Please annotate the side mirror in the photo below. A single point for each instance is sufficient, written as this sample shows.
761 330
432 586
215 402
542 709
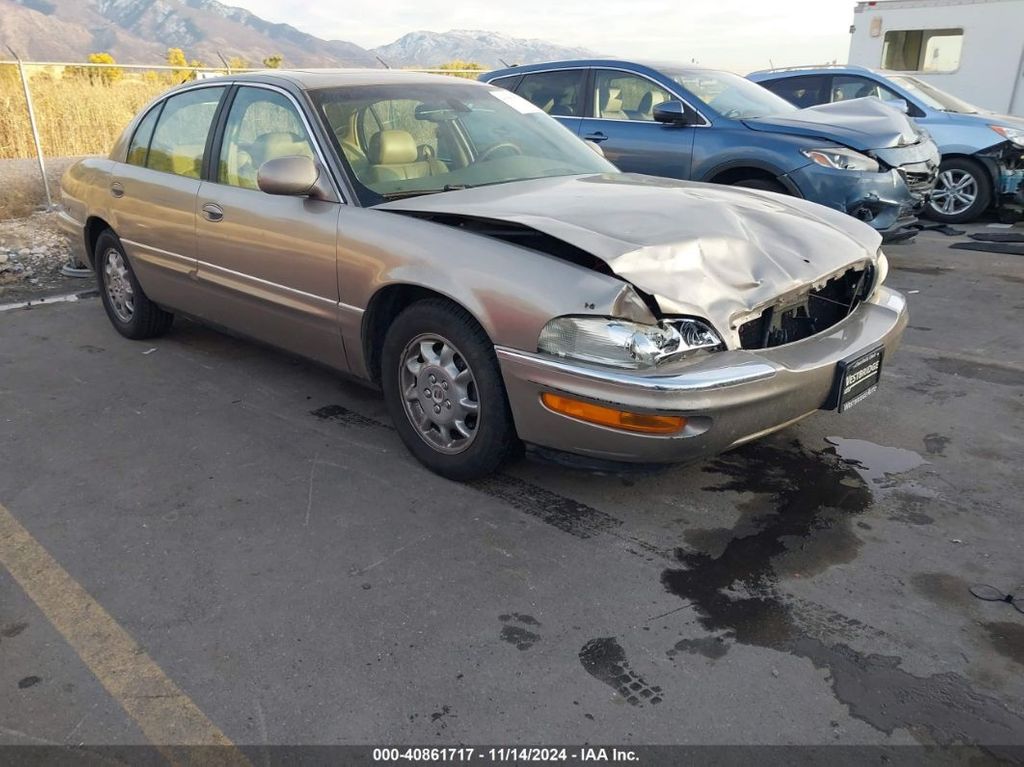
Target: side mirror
900 104
675 113
296 176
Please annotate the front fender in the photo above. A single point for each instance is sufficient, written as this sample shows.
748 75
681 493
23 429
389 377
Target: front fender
510 290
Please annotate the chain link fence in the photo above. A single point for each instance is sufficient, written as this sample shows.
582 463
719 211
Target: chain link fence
52 112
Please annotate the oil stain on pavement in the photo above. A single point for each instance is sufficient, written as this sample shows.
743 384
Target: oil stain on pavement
804 503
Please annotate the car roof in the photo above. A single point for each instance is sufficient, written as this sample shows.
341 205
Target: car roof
312 79
641 66
812 69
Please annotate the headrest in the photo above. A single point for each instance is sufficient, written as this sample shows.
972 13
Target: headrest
650 100
276 138
612 102
393 147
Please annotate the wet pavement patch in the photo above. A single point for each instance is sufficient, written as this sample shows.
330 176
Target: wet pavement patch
875 462
13 629
605 660
1007 639
29 681
935 444
943 588
710 647
979 371
515 633
804 502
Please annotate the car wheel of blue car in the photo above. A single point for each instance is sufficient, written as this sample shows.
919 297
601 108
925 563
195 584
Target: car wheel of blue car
961 194
763 184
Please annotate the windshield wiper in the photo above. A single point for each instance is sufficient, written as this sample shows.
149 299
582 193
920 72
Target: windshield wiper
403 193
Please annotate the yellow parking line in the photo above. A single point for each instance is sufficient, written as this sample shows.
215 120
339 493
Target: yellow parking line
166 715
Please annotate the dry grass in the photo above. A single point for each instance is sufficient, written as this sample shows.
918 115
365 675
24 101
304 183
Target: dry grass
76 115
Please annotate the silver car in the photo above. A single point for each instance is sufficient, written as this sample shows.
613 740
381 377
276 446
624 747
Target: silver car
498 279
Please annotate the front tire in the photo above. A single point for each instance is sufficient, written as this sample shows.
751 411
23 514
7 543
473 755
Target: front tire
130 311
962 192
765 185
444 392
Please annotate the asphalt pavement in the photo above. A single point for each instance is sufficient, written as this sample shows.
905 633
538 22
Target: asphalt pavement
244 533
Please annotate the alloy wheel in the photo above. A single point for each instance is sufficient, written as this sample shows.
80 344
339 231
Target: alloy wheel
118 285
955 192
439 393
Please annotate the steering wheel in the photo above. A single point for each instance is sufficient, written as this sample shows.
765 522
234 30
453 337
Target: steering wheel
486 154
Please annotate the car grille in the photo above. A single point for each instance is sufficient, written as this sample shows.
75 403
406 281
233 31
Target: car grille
808 314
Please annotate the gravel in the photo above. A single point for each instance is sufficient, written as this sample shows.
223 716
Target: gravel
32 252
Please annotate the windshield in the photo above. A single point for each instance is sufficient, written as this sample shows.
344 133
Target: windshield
405 139
730 95
932 96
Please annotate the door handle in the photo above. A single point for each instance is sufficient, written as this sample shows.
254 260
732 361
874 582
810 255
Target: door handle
213 212
117 189
597 136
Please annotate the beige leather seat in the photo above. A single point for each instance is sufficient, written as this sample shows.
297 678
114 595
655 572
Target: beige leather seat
243 166
611 104
394 156
645 109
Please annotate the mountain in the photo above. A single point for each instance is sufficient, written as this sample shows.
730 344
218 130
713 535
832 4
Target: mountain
428 49
69 30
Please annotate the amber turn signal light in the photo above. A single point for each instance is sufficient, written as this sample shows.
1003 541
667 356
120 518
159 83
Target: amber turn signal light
644 423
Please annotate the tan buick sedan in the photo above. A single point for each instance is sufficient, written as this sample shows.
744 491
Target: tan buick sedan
500 281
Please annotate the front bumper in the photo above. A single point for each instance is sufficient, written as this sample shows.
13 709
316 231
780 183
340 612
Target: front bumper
881 200
728 397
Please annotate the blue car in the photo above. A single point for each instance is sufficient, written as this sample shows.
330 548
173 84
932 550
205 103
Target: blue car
982 152
866 158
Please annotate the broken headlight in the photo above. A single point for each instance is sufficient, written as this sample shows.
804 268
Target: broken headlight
624 344
1013 135
841 158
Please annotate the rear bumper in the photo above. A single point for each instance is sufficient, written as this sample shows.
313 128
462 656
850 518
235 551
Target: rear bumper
728 397
75 232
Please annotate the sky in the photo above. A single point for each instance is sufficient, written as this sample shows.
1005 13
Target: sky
740 35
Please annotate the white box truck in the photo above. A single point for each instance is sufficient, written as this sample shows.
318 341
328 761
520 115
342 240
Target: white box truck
973 49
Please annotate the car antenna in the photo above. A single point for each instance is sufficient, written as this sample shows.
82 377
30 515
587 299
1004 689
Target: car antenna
771 64
382 62
505 63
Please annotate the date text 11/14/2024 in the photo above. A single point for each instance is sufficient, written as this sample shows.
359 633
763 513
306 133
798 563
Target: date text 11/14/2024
505 754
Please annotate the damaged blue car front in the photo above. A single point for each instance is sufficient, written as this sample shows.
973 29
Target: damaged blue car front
863 157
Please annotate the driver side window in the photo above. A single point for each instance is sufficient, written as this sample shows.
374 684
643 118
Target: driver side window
262 125
845 87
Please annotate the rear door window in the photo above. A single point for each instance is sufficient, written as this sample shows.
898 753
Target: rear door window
143 135
560 93
179 139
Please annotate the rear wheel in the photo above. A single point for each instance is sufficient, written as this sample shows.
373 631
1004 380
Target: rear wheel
131 313
443 389
961 194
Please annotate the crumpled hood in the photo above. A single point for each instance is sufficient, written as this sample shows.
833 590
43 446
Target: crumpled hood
860 124
708 250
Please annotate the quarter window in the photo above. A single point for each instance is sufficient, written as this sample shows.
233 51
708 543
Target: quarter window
557 93
143 135
179 139
621 96
922 50
262 125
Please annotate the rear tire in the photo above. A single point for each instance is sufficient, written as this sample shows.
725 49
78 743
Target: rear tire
962 193
130 311
444 391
